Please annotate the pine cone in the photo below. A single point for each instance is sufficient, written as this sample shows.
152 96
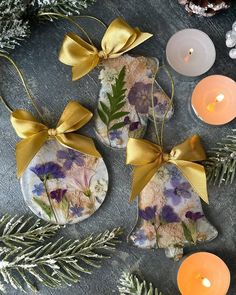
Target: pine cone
204 7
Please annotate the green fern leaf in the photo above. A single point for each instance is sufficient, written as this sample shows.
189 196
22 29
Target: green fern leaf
117 126
105 108
102 116
119 115
116 101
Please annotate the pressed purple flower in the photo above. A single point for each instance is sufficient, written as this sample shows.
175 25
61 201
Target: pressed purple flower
70 156
132 125
49 170
175 175
140 95
140 237
148 213
127 120
77 210
168 215
38 189
194 215
58 194
179 191
115 134
162 107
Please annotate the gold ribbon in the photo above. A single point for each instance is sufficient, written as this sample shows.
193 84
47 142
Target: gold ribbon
35 134
83 57
148 157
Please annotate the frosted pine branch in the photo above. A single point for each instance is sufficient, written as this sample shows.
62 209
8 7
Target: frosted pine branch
11 33
55 263
19 231
129 284
17 15
221 163
67 7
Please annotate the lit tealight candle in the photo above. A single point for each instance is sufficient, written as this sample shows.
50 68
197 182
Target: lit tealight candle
190 52
203 274
214 100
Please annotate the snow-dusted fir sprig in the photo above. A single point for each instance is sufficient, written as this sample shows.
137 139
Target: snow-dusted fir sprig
13 26
22 231
12 31
130 284
16 17
221 163
55 263
67 7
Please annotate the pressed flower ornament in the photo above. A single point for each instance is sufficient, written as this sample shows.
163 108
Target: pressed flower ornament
124 104
63 177
169 187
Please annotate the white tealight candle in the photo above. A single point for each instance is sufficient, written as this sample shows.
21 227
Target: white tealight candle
190 52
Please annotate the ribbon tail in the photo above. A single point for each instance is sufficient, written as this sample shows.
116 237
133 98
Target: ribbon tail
195 174
26 149
80 143
141 176
85 66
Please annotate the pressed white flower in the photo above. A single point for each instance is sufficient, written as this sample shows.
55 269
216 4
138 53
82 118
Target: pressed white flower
99 187
162 176
108 76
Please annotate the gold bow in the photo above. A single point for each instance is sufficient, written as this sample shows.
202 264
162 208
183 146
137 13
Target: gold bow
83 57
35 134
149 157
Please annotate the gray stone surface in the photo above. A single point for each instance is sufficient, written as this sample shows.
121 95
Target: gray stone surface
51 84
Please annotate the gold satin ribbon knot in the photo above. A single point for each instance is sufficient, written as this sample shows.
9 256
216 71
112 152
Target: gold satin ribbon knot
148 157
35 134
83 57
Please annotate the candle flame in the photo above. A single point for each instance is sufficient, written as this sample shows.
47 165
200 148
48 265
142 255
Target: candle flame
220 97
211 106
206 283
191 50
187 56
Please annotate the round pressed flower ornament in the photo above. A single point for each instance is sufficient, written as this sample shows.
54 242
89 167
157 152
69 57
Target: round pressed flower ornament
63 185
62 175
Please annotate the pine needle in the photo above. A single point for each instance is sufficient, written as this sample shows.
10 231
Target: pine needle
130 284
56 263
20 232
16 17
221 163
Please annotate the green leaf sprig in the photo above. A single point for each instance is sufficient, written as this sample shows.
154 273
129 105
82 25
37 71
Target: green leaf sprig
116 102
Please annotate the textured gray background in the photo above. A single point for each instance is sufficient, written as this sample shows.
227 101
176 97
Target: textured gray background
51 84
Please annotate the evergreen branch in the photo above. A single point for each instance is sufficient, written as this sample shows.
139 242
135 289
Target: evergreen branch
66 7
18 231
11 33
116 102
130 285
221 163
55 263
16 17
